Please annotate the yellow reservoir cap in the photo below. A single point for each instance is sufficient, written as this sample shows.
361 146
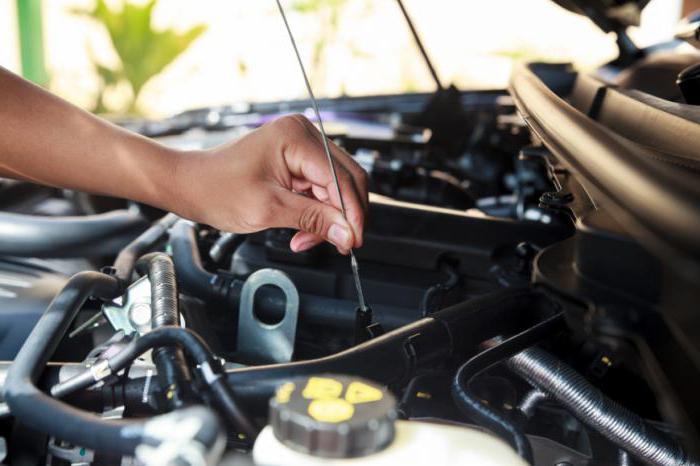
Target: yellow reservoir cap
333 416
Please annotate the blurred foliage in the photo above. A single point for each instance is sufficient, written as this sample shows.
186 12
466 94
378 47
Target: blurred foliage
143 51
329 10
522 53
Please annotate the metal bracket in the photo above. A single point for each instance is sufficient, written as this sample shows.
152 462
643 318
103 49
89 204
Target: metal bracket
131 312
264 342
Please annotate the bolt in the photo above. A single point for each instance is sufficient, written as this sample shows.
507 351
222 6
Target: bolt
140 315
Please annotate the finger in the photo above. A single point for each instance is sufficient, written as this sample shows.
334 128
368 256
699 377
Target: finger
320 193
309 215
303 241
359 175
300 185
341 157
353 189
305 158
354 209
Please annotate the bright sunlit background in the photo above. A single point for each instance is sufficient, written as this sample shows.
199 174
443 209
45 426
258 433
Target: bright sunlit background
239 50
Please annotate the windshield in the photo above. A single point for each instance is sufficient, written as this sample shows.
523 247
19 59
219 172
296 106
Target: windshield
206 53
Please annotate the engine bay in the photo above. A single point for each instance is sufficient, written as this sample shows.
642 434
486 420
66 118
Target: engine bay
524 306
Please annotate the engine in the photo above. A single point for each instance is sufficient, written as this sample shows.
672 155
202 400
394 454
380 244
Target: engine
500 328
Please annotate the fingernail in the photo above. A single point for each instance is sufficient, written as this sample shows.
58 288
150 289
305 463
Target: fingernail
339 235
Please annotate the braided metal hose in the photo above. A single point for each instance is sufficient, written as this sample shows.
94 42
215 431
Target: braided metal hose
161 274
588 404
173 370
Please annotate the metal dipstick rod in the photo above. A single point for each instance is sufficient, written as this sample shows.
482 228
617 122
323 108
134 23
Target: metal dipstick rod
353 260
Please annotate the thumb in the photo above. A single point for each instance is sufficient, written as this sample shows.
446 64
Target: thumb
314 217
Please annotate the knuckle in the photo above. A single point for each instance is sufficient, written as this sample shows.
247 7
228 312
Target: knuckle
285 123
300 119
364 177
343 173
357 218
293 123
312 220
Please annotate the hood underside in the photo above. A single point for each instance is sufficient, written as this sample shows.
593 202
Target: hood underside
609 15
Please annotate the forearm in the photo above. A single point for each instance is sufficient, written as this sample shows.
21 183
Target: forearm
275 176
49 141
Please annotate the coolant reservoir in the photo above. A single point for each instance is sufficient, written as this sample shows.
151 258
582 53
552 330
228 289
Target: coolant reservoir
337 420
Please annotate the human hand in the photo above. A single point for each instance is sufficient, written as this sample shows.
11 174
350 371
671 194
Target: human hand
275 176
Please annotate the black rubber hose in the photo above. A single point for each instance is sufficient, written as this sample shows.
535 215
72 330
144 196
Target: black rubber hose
314 310
192 277
394 358
200 353
173 371
56 237
391 359
35 409
125 261
192 343
472 407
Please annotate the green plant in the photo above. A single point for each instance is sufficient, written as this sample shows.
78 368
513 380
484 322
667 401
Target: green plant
329 10
143 51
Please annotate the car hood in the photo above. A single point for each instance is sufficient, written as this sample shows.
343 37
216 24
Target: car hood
609 15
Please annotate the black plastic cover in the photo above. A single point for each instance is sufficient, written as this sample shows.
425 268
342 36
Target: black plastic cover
25 292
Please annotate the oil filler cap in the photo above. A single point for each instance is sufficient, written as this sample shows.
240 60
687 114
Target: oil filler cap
333 416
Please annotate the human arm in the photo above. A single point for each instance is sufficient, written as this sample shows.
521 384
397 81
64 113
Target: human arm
276 176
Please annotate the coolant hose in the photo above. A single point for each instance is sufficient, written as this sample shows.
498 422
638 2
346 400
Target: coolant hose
391 359
197 350
33 408
219 288
472 406
92 235
396 357
127 257
200 353
172 368
476 410
592 407
191 275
